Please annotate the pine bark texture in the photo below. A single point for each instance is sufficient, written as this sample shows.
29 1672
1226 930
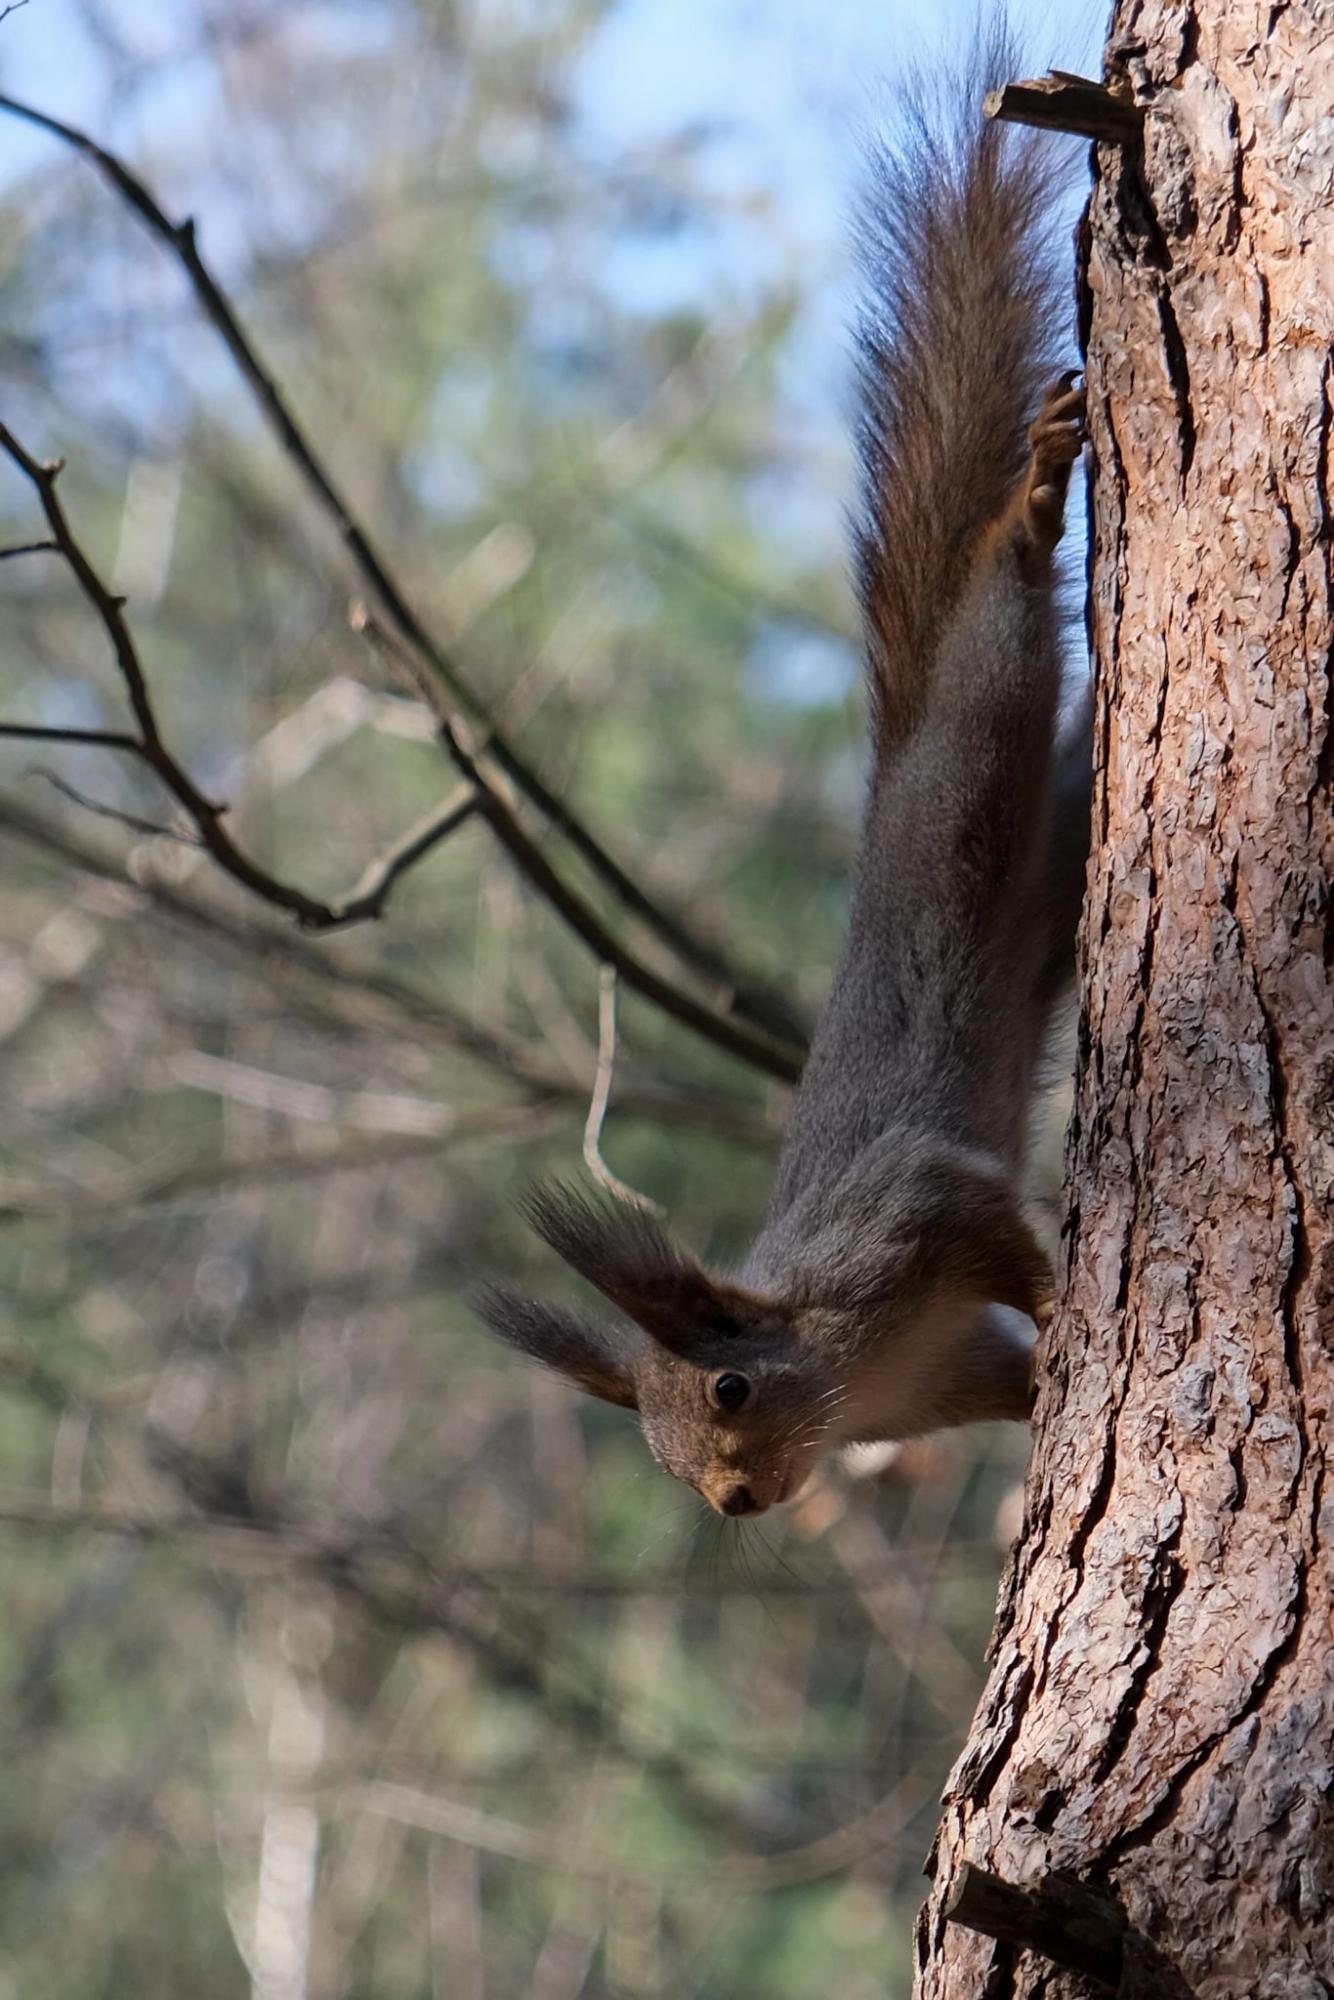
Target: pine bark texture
1159 1720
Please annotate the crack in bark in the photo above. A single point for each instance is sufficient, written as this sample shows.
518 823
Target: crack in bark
1322 455
1012 1703
1096 1509
1236 1459
1178 376
1292 559
1262 345
1237 205
1166 1582
1164 1811
1298 1263
1143 231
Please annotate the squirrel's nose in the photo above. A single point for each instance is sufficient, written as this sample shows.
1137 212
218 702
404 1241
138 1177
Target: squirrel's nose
740 1500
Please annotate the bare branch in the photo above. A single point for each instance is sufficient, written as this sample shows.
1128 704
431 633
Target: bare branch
110 609
367 900
755 1045
737 998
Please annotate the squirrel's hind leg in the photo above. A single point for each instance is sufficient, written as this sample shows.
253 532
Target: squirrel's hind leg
1055 440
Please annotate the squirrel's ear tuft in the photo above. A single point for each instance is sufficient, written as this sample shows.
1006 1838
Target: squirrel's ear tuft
636 1265
597 1358
618 1248
621 1251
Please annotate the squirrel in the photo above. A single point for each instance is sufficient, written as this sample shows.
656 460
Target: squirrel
866 1309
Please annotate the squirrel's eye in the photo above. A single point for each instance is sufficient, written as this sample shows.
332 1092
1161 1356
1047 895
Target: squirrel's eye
730 1391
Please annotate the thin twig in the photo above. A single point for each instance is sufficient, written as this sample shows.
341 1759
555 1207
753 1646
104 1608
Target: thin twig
132 821
740 999
110 609
370 894
101 739
597 1108
28 548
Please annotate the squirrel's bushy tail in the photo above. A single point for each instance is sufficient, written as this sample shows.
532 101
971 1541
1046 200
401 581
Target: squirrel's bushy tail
959 335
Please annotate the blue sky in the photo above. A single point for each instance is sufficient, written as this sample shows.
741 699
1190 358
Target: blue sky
790 77
783 88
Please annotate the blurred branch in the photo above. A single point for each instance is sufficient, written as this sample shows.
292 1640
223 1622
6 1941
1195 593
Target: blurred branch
749 598
274 1538
829 1854
455 1820
148 746
897 1611
772 1048
365 1001
387 1579
21 1201
398 1587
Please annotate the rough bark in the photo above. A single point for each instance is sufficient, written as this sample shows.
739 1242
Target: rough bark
1159 1721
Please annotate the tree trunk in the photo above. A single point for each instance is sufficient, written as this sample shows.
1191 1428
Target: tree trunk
1159 1722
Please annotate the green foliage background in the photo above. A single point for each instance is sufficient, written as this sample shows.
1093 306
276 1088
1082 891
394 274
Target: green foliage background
342 1655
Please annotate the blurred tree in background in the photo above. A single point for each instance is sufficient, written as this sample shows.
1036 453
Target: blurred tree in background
343 1655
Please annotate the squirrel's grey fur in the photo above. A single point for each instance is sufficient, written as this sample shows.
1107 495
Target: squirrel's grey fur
863 1310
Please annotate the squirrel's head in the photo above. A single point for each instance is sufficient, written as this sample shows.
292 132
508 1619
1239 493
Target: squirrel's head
731 1398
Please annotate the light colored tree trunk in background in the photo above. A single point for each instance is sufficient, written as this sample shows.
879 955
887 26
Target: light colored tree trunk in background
1160 1714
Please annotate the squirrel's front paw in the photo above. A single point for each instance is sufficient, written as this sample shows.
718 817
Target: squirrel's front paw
1055 439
